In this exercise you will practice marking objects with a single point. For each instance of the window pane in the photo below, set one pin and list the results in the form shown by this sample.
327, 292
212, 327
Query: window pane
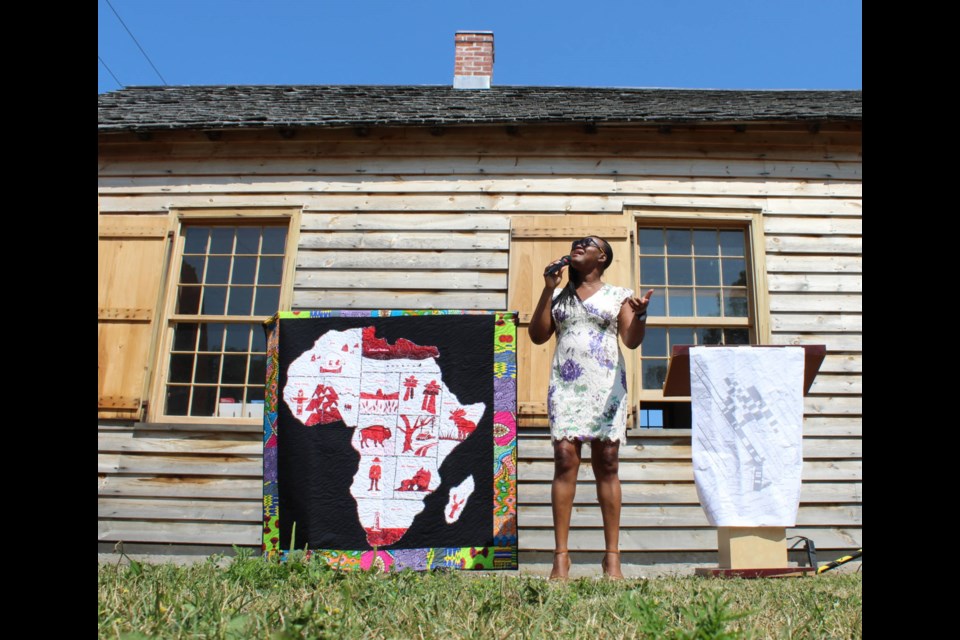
679, 271
211, 337
208, 369
204, 401
651, 419
238, 337
214, 300
244, 270
735, 303
185, 337
680, 335
705, 242
654, 342
658, 302
736, 336
651, 241
681, 302
248, 240
678, 241
259, 340
258, 370
196, 240
731, 243
188, 300
191, 270
654, 373
240, 298
181, 367
177, 399
708, 303
274, 240
709, 335
652, 271
271, 271
268, 301
734, 273
234, 369
236, 395
218, 270
707, 272
221, 240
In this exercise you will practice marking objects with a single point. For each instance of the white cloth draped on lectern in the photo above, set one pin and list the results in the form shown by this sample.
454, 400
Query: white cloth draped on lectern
747, 406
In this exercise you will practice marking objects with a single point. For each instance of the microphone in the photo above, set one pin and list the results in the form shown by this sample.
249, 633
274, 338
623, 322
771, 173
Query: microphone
556, 266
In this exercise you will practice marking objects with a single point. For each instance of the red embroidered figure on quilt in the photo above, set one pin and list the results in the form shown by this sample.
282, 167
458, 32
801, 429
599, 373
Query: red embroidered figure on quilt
430, 393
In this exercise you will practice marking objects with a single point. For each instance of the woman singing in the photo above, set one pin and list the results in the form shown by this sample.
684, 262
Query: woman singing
587, 397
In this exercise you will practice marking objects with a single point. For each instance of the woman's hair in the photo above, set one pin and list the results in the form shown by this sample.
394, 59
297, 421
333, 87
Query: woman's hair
569, 292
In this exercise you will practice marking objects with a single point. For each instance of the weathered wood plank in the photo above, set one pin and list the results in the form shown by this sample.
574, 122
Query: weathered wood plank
142, 464
417, 259
789, 263
675, 471
759, 141
679, 539
179, 532
679, 516
827, 384
846, 342
815, 283
456, 221
842, 363
468, 164
814, 245
180, 487
836, 405
833, 425
395, 278
686, 493
310, 299
646, 190
173, 509
480, 240
815, 302
640, 449
785, 225
817, 323
182, 443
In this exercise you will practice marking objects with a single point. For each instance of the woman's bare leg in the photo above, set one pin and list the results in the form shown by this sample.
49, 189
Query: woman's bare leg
605, 457
566, 463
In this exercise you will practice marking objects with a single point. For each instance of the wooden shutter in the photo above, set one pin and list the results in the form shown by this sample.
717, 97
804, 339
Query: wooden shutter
131, 256
535, 241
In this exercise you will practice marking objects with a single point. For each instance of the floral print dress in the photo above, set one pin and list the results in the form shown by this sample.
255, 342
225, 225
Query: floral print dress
587, 397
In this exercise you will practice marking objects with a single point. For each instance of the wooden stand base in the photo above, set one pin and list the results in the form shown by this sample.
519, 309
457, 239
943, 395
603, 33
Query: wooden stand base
786, 572
752, 547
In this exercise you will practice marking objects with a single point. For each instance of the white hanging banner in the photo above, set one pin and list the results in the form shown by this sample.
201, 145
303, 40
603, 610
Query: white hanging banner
747, 405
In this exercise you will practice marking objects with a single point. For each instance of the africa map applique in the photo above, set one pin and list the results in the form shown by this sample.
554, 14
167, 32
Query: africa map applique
405, 421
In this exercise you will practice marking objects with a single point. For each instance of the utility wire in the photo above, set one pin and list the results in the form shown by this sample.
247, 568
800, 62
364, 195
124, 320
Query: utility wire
162, 79
112, 74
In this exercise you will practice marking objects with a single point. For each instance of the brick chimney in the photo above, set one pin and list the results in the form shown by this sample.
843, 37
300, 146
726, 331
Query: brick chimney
473, 61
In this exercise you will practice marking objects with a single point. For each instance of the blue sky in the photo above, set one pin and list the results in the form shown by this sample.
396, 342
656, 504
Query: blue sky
737, 44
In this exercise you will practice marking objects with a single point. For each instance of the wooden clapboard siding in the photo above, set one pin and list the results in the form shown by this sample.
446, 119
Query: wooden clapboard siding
404, 218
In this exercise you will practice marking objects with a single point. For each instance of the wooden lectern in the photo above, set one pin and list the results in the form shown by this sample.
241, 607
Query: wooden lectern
746, 551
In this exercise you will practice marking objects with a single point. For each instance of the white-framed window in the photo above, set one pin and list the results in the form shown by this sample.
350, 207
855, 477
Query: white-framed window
709, 288
229, 275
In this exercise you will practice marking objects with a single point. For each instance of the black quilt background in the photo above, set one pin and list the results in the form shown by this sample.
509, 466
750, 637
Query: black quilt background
316, 465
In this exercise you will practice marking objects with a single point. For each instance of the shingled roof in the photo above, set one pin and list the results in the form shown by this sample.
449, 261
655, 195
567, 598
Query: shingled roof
257, 107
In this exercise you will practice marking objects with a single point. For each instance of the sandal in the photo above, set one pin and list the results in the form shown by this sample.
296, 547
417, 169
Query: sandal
556, 573
607, 573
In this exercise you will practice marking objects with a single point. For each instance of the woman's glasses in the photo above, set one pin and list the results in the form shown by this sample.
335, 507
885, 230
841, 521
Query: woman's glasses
586, 242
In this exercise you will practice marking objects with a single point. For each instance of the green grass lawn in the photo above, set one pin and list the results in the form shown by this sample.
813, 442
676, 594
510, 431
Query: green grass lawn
250, 598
